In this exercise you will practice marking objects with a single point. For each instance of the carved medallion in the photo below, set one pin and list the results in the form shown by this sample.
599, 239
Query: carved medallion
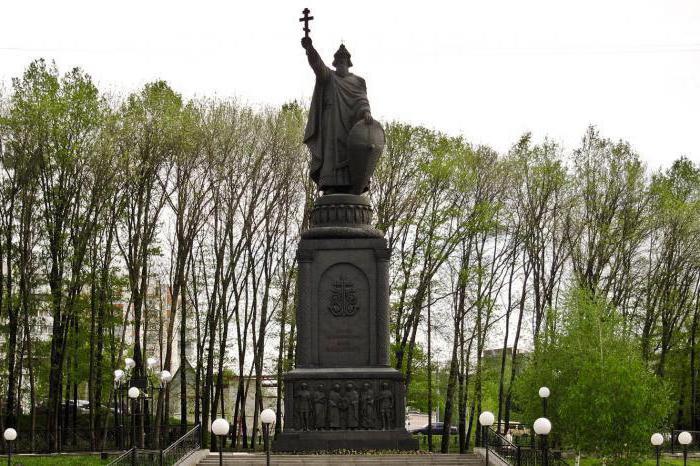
343, 301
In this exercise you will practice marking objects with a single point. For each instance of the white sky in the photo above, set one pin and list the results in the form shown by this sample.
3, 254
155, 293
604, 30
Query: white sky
490, 70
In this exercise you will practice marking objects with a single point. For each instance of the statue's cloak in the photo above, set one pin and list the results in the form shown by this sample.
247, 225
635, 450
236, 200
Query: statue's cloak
336, 105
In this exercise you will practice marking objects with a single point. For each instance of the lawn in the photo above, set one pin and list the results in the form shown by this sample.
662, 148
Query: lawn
58, 460
649, 462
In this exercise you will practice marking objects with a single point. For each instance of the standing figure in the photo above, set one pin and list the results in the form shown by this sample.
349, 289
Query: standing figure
334, 402
339, 102
319, 399
386, 406
304, 408
353, 406
367, 406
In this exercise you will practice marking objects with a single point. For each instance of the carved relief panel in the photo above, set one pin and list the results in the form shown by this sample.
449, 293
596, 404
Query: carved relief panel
343, 317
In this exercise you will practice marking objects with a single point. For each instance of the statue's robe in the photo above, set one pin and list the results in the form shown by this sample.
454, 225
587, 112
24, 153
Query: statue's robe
338, 102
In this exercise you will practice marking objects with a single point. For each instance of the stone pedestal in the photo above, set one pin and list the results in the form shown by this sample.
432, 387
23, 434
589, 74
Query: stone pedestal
343, 394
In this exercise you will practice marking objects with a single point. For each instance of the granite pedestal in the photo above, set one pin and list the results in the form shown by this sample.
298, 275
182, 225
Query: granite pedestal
343, 394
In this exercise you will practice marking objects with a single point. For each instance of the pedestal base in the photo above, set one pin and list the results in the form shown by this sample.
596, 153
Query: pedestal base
359, 440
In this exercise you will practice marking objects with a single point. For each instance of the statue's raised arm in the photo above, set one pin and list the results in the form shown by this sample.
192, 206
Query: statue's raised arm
315, 60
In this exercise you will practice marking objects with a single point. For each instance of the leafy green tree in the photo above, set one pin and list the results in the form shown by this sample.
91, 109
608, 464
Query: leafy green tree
604, 399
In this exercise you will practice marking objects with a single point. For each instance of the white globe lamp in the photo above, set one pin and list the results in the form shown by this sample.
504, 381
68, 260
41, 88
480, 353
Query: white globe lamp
684, 438
151, 362
129, 363
486, 419
267, 416
542, 426
657, 439
544, 392
134, 393
220, 427
166, 377
10, 434
118, 374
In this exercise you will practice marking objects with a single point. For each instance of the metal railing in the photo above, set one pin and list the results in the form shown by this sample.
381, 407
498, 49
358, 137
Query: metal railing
184, 447
520, 455
676, 447
84, 439
180, 449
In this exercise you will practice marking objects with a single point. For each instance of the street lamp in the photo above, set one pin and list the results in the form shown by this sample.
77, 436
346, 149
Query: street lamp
267, 417
684, 438
542, 427
133, 393
656, 440
166, 377
220, 428
486, 420
544, 394
118, 376
10, 436
129, 363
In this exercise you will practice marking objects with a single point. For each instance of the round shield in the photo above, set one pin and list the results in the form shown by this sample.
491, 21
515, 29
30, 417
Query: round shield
365, 145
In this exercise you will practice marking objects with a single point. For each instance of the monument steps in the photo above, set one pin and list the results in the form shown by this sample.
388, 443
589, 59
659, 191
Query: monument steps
229, 459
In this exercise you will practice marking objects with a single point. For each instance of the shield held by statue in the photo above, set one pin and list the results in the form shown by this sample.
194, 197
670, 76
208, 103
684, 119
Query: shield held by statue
365, 144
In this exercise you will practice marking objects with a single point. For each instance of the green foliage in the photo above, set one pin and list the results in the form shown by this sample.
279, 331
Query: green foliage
603, 400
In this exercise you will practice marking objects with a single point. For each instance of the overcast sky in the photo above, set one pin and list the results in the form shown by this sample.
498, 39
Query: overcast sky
489, 70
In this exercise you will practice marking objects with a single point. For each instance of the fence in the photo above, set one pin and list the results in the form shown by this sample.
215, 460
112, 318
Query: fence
520, 455
180, 449
86, 439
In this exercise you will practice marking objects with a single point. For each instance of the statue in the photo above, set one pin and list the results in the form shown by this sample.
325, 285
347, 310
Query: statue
353, 402
344, 141
367, 404
304, 407
319, 400
334, 402
386, 406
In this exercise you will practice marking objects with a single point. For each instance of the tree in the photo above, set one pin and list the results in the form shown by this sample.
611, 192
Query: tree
604, 399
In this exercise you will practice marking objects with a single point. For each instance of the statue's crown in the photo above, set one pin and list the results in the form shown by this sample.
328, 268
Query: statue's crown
342, 53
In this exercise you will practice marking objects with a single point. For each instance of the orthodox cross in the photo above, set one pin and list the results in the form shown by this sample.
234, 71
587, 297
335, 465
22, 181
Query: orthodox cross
306, 20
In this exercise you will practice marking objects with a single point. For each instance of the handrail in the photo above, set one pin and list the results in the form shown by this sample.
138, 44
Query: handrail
182, 447
126, 455
518, 455
180, 440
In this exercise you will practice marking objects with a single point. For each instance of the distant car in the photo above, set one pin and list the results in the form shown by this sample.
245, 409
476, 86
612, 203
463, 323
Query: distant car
437, 429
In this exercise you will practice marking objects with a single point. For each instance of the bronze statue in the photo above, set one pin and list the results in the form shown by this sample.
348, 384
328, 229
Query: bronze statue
353, 400
386, 406
319, 399
367, 406
304, 407
334, 402
344, 141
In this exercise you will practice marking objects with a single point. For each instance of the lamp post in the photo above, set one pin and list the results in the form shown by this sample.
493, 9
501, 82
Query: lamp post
267, 417
542, 428
486, 420
684, 438
656, 440
544, 394
133, 393
165, 378
10, 436
118, 375
220, 428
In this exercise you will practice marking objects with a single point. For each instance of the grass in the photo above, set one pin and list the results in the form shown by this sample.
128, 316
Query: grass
649, 462
58, 460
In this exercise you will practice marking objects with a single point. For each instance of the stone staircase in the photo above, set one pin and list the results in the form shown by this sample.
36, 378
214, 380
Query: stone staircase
231, 459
